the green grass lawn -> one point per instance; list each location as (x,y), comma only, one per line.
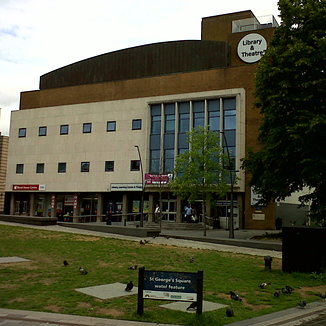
(44,284)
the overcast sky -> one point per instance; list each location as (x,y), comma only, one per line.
(38,36)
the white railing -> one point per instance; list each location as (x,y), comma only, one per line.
(251,24)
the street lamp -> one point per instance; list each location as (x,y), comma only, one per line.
(142,192)
(232,179)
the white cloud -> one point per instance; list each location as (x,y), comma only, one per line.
(38,36)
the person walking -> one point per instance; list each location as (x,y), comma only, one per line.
(188,213)
(157,213)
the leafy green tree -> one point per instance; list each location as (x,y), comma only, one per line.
(202,171)
(290,92)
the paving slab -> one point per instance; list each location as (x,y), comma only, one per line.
(182,306)
(108,291)
(14,259)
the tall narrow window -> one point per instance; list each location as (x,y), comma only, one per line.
(213,107)
(184,125)
(155,161)
(169,112)
(169,137)
(155,138)
(168,160)
(198,114)
(229,125)
(156,125)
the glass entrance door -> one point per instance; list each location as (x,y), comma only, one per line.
(169,210)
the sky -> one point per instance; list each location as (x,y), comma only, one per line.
(38,36)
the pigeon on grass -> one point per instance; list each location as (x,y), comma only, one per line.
(129,286)
(264,285)
(192,306)
(133,268)
(83,271)
(302,304)
(277,293)
(235,296)
(287,290)
(65,263)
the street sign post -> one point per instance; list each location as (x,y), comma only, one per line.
(172,286)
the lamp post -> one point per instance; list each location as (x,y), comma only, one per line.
(142,192)
(231,225)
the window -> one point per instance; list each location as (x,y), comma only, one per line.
(135,165)
(64,129)
(40,168)
(213,114)
(136,124)
(84,166)
(42,131)
(184,117)
(109,166)
(87,128)
(62,167)
(229,111)
(169,113)
(229,124)
(19,168)
(184,124)
(171,122)
(168,160)
(156,119)
(155,161)
(22,132)
(110,126)
(198,114)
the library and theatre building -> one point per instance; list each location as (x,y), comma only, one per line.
(102,134)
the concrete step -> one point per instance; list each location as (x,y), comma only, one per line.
(177,226)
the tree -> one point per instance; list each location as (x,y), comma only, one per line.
(290,92)
(201,172)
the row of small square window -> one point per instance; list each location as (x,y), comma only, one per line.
(84,167)
(87,128)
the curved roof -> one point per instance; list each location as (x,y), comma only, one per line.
(141,61)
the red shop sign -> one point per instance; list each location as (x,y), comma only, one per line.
(26,187)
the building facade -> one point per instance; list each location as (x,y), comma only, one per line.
(102,134)
(4,140)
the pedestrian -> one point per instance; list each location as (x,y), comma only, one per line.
(188,213)
(157,213)
(108,218)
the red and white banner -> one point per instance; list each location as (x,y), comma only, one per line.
(156,179)
(28,187)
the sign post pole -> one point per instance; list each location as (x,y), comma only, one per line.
(140,300)
(200,281)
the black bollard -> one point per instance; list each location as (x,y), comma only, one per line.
(268,263)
